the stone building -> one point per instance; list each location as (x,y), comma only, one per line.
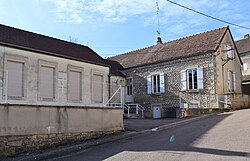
(192,72)
(51,92)
(243,47)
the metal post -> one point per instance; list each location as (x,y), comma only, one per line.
(137,109)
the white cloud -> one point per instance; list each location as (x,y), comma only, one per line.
(119,11)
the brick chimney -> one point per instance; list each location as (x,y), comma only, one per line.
(246,36)
(159,41)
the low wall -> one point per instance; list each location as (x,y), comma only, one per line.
(185,112)
(240,101)
(25,128)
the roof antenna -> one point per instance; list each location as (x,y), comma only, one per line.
(159,41)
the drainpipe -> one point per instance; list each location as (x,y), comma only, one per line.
(109,79)
(213,62)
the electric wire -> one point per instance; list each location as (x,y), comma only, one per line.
(206,15)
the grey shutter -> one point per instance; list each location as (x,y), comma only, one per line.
(183,80)
(229,80)
(162,83)
(97,88)
(74,92)
(47,82)
(200,78)
(15,79)
(234,81)
(149,84)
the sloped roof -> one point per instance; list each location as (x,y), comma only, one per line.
(47,45)
(184,47)
(243,45)
(116,68)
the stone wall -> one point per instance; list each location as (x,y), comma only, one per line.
(24,128)
(170,99)
(239,101)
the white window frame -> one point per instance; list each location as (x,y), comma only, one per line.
(72,68)
(44,63)
(156,83)
(193,79)
(129,86)
(185,79)
(229,51)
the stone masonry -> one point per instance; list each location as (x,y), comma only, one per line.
(171,98)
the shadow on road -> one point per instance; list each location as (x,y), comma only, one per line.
(185,136)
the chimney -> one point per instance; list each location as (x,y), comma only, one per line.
(246,36)
(159,41)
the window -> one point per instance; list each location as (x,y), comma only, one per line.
(192,79)
(230,51)
(47,82)
(231,81)
(15,80)
(129,87)
(97,88)
(74,85)
(244,66)
(156,84)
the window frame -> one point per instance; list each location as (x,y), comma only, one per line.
(98,73)
(18,59)
(156,83)
(72,68)
(53,65)
(193,79)
(129,86)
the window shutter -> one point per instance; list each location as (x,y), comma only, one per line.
(74,84)
(47,82)
(200,78)
(183,80)
(162,83)
(234,81)
(15,79)
(149,80)
(229,52)
(97,88)
(229,80)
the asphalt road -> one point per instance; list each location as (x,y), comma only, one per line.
(219,137)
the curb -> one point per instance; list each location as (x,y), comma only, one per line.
(90,143)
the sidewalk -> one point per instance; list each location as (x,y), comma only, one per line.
(133,127)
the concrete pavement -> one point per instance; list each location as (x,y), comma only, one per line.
(133,126)
(218,137)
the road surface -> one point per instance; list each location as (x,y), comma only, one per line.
(219,137)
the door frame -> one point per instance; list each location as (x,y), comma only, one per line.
(152,109)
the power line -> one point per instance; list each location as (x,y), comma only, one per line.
(190,9)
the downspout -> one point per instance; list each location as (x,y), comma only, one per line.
(213,62)
(109,81)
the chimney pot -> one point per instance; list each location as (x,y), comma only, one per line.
(246,36)
(159,41)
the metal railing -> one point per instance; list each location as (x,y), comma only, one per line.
(138,109)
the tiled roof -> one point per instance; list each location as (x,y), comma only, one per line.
(47,45)
(115,68)
(184,47)
(243,45)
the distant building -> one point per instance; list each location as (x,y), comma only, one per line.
(243,47)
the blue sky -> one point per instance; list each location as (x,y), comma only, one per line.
(112,27)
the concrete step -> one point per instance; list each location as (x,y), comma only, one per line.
(132,116)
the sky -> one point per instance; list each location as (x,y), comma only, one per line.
(112,27)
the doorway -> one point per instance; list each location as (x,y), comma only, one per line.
(156,111)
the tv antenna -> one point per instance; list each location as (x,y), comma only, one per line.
(158,19)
